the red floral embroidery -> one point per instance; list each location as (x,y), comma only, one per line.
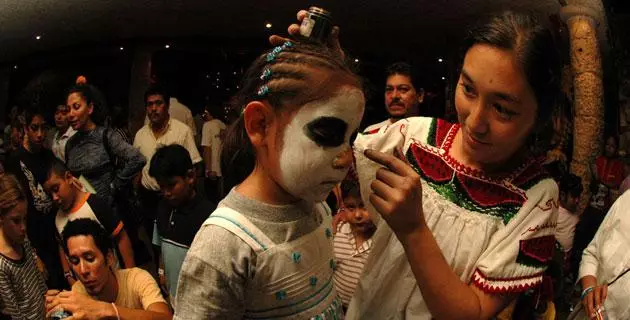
(539,248)
(432,165)
(490,194)
(507,284)
(441,131)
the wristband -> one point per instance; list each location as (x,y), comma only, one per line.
(585,292)
(116,309)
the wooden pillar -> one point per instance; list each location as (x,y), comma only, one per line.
(586,65)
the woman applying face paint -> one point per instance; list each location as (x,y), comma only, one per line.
(266,251)
(470,213)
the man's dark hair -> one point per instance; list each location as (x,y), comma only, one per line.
(157,90)
(87,227)
(405,69)
(169,162)
(571,184)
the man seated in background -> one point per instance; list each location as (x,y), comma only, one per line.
(102,292)
(180,213)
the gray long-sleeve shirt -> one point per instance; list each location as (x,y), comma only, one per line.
(87,155)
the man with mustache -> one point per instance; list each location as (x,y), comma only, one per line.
(162,130)
(403,95)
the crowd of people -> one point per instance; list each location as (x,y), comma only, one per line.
(289,213)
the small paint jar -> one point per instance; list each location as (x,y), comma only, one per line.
(317,25)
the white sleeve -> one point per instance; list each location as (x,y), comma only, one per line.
(207,133)
(607,230)
(189,144)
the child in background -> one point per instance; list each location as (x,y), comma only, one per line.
(570,190)
(22,286)
(266,252)
(180,213)
(352,241)
(75,203)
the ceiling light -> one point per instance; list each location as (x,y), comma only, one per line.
(167,46)
(443,78)
(234,72)
(356,60)
(38,37)
(15,67)
(122,48)
(268,25)
(440,60)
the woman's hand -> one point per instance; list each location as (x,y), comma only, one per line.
(397,193)
(294,31)
(595,298)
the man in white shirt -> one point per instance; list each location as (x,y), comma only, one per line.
(403,95)
(162,130)
(62,133)
(211,142)
(179,111)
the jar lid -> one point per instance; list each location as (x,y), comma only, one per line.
(321,11)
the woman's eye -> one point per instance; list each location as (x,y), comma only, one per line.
(468,89)
(504,112)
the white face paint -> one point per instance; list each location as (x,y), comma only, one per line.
(319,132)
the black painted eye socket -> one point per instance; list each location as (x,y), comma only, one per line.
(326,131)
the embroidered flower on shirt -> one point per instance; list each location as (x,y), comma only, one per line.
(281,295)
(296,257)
(313,281)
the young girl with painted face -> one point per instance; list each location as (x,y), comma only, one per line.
(465,213)
(266,252)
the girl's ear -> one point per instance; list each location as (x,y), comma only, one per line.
(258,116)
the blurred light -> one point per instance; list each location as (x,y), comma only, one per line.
(167,46)
(218,73)
(38,37)
(268,25)
(122,48)
(234,72)
(356,60)
(237,87)
(440,60)
(443,78)
(15,67)
(217,87)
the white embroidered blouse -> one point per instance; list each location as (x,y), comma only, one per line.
(496,233)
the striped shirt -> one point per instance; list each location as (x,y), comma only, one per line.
(22,286)
(349,261)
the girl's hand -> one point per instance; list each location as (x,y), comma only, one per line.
(397,193)
(294,31)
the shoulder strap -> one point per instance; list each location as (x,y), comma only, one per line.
(107,146)
(240,226)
